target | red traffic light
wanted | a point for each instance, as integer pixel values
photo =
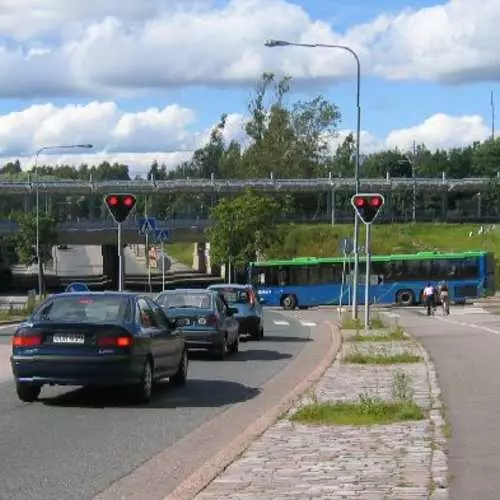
(120, 206)
(367, 206)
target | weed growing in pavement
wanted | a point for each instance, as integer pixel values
(367, 410)
(349, 323)
(380, 357)
(392, 336)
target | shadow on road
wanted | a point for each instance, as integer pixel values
(196, 394)
(259, 355)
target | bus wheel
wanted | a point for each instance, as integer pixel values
(405, 298)
(289, 302)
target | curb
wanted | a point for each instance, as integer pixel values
(8, 322)
(200, 479)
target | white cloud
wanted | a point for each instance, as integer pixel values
(169, 135)
(104, 47)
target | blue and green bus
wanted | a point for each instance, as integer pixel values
(394, 279)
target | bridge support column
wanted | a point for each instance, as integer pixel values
(444, 204)
(110, 264)
(92, 207)
(199, 259)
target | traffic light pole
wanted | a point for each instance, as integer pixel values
(120, 258)
(368, 253)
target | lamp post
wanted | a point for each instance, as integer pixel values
(37, 203)
(345, 48)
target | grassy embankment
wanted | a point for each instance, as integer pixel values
(322, 240)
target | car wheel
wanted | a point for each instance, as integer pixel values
(221, 350)
(235, 346)
(180, 377)
(259, 333)
(144, 389)
(28, 392)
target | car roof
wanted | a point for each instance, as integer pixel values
(97, 294)
(188, 290)
(227, 285)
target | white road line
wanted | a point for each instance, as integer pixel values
(281, 323)
(308, 323)
(472, 325)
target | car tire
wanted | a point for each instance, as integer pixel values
(28, 392)
(221, 350)
(235, 346)
(144, 389)
(180, 377)
(257, 335)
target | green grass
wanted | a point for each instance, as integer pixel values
(181, 252)
(323, 240)
(395, 335)
(365, 412)
(349, 323)
(361, 358)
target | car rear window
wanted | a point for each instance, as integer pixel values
(86, 309)
(235, 296)
(195, 300)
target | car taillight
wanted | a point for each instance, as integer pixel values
(26, 340)
(122, 341)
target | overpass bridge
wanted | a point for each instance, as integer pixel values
(214, 186)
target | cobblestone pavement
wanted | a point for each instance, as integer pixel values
(397, 461)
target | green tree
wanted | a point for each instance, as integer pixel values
(242, 227)
(25, 239)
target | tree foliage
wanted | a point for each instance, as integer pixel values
(242, 227)
(25, 239)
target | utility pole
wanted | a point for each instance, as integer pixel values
(492, 104)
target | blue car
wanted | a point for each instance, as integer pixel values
(205, 319)
(250, 313)
(97, 339)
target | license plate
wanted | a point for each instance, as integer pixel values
(68, 339)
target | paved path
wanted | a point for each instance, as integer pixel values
(73, 444)
(295, 462)
(466, 349)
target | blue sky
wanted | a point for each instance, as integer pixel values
(427, 72)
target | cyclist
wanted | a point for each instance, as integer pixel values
(430, 298)
(444, 297)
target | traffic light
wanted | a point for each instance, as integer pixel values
(367, 206)
(120, 206)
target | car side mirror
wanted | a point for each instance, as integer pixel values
(231, 311)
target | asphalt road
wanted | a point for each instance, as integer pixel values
(79, 260)
(73, 444)
(465, 348)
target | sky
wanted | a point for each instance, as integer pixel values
(145, 80)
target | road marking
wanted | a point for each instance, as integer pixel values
(308, 323)
(472, 325)
(281, 323)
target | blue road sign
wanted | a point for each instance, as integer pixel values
(77, 287)
(161, 235)
(146, 225)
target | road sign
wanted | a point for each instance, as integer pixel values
(367, 206)
(161, 235)
(146, 225)
(77, 287)
(120, 206)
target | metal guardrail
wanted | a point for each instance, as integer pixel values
(213, 185)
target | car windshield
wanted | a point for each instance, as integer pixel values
(235, 295)
(86, 308)
(174, 300)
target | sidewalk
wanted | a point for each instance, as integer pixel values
(398, 461)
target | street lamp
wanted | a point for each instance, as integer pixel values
(283, 43)
(37, 203)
